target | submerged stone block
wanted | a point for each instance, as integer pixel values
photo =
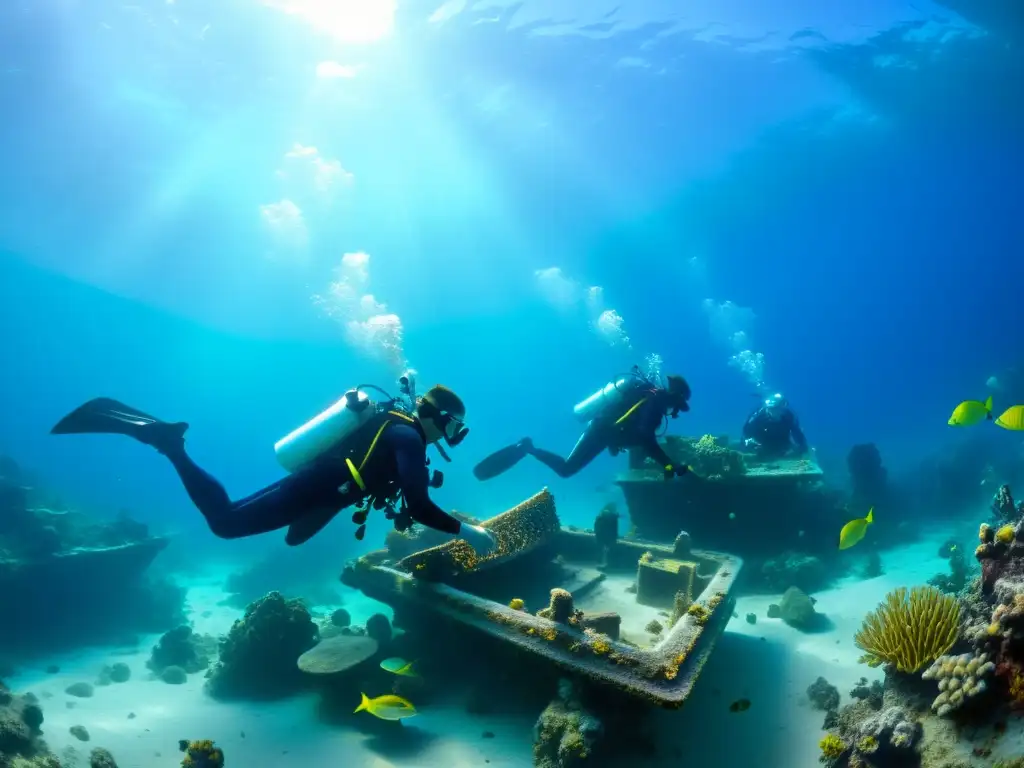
(658, 579)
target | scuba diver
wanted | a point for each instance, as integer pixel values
(624, 414)
(357, 452)
(772, 431)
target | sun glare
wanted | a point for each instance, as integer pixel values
(350, 21)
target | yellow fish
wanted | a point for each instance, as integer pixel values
(1012, 418)
(854, 530)
(387, 707)
(970, 412)
(397, 666)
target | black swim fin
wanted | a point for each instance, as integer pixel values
(503, 460)
(104, 416)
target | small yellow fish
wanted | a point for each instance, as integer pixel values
(854, 530)
(397, 666)
(387, 707)
(970, 412)
(1012, 418)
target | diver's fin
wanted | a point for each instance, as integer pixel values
(309, 525)
(104, 416)
(502, 460)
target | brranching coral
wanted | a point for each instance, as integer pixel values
(960, 678)
(909, 630)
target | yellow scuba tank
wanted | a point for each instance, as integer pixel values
(325, 430)
(609, 396)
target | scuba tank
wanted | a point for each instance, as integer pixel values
(325, 430)
(610, 395)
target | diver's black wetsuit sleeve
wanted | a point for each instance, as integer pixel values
(748, 425)
(797, 434)
(653, 449)
(414, 479)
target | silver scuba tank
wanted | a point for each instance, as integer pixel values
(609, 396)
(325, 430)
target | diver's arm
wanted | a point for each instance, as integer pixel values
(748, 426)
(653, 448)
(414, 480)
(798, 435)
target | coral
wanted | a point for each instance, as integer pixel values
(258, 656)
(909, 631)
(181, 647)
(888, 737)
(1005, 534)
(957, 578)
(713, 461)
(823, 695)
(80, 690)
(79, 732)
(565, 733)
(341, 618)
(872, 693)
(560, 608)
(201, 754)
(20, 721)
(793, 569)
(699, 613)
(832, 748)
(960, 678)
(517, 604)
(101, 758)
(796, 609)
(1003, 508)
(654, 627)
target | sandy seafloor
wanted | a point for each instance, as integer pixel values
(768, 662)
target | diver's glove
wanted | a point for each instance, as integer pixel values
(480, 539)
(671, 471)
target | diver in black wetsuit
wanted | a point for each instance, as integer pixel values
(383, 458)
(631, 422)
(773, 431)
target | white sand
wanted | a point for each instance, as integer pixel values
(768, 662)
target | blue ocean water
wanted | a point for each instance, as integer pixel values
(230, 213)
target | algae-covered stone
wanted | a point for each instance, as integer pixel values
(337, 654)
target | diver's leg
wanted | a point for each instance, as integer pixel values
(276, 506)
(592, 442)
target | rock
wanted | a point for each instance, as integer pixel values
(341, 618)
(751, 618)
(259, 655)
(181, 647)
(797, 609)
(337, 654)
(379, 628)
(81, 690)
(174, 675)
(120, 672)
(79, 732)
(101, 758)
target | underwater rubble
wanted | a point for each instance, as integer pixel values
(953, 693)
(588, 621)
(722, 505)
(71, 579)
